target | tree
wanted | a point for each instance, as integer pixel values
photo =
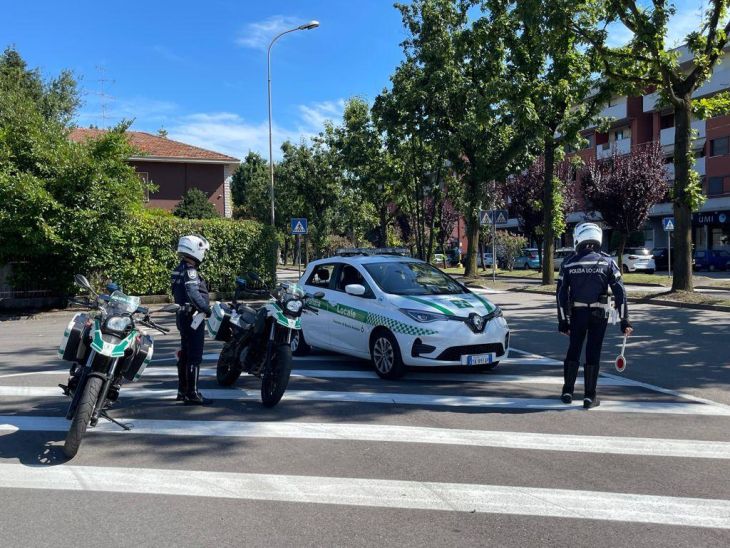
(250, 188)
(526, 192)
(365, 160)
(466, 92)
(643, 64)
(195, 205)
(545, 51)
(63, 205)
(624, 187)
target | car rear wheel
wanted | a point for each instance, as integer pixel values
(385, 356)
(626, 269)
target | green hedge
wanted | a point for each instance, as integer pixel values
(145, 254)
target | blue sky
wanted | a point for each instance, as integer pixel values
(198, 69)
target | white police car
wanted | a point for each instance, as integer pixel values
(398, 311)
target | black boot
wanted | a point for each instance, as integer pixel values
(182, 383)
(590, 374)
(570, 372)
(193, 395)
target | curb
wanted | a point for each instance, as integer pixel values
(644, 300)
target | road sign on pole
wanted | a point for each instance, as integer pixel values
(495, 216)
(484, 217)
(668, 224)
(299, 226)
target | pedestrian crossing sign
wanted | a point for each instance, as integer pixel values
(668, 223)
(299, 226)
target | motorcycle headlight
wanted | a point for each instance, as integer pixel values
(424, 316)
(294, 306)
(118, 323)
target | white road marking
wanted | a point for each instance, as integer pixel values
(646, 447)
(434, 400)
(450, 497)
(162, 371)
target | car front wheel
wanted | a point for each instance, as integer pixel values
(386, 357)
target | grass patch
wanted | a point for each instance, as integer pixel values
(687, 297)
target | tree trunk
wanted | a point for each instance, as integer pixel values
(472, 240)
(682, 211)
(383, 239)
(548, 208)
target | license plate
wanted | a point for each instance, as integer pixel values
(478, 359)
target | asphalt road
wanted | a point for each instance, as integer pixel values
(443, 457)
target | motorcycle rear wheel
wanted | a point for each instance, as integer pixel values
(228, 369)
(82, 416)
(275, 381)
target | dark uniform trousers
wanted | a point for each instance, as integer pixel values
(191, 346)
(589, 326)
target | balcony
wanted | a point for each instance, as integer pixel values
(699, 167)
(618, 111)
(718, 82)
(606, 150)
(666, 136)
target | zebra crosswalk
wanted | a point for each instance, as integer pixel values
(337, 406)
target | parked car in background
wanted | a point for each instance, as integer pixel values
(711, 259)
(562, 254)
(529, 259)
(638, 259)
(439, 259)
(661, 258)
(485, 260)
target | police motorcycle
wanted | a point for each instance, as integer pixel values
(105, 348)
(258, 342)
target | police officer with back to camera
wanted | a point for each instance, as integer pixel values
(584, 308)
(190, 291)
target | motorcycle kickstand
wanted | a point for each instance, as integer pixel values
(126, 427)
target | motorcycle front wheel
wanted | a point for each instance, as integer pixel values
(82, 416)
(228, 369)
(276, 379)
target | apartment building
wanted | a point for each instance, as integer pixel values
(638, 120)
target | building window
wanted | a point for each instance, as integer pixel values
(720, 146)
(145, 187)
(666, 121)
(715, 186)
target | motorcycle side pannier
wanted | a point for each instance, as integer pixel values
(219, 323)
(73, 346)
(142, 358)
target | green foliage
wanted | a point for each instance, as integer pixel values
(195, 205)
(709, 107)
(509, 246)
(250, 188)
(145, 252)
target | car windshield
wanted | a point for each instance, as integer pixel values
(411, 278)
(119, 303)
(531, 253)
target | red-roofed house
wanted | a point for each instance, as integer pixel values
(176, 167)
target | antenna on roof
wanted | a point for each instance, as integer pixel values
(104, 98)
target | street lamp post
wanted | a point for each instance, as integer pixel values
(306, 26)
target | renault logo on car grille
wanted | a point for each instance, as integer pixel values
(476, 322)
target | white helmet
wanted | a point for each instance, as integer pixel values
(587, 233)
(193, 246)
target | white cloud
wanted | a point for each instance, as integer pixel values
(258, 35)
(316, 114)
(231, 134)
(688, 18)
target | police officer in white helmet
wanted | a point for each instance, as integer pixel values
(190, 291)
(584, 308)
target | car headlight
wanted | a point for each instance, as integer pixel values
(424, 316)
(496, 313)
(294, 306)
(118, 323)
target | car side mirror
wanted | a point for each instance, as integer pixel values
(319, 295)
(355, 289)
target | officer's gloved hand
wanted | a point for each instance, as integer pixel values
(563, 326)
(208, 312)
(625, 325)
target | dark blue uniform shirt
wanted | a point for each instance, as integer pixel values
(188, 286)
(584, 277)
